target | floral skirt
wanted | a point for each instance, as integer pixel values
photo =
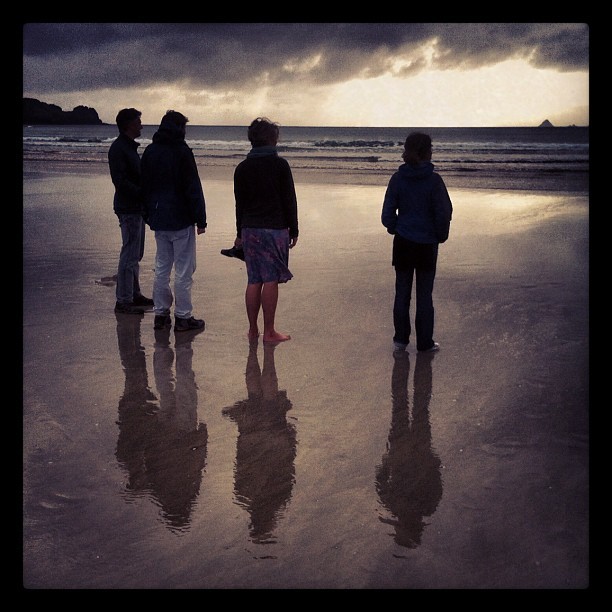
(266, 254)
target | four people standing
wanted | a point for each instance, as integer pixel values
(164, 189)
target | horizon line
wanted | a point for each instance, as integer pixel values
(374, 127)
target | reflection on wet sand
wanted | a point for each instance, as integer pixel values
(264, 471)
(408, 481)
(160, 444)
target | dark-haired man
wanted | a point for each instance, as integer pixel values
(124, 165)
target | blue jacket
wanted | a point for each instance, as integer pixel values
(171, 185)
(124, 166)
(417, 205)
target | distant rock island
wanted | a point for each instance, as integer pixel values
(546, 124)
(36, 112)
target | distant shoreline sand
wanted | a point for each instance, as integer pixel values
(553, 183)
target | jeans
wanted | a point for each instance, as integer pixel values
(424, 318)
(132, 249)
(178, 249)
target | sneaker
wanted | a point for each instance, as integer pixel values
(128, 308)
(187, 324)
(233, 252)
(141, 300)
(399, 346)
(162, 322)
(433, 349)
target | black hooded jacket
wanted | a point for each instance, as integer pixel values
(171, 186)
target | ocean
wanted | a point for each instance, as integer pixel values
(553, 158)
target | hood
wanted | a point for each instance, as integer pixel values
(419, 171)
(262, 151)
(169, 133)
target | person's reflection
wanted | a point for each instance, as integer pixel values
(265, 451)
(161, 444)
(408, 481)
(137, 405)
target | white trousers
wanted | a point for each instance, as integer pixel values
(174, 249)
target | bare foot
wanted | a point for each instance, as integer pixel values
(276, 337)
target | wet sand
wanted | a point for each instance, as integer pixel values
(155, 461)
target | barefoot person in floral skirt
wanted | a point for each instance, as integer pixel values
(266, 225)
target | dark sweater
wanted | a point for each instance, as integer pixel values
(124, 166)
(265, 193)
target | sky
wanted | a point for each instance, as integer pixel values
(316, 74)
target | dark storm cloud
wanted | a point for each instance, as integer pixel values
(66, 57)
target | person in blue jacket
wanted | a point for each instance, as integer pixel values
(174, 207)
(417, 211)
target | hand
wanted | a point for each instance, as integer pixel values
(201, 230)
(238, 243)
(293, 242)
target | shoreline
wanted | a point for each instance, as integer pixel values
(570, 184)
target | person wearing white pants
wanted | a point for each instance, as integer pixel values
(176, 211)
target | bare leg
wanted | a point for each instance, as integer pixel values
(252, 298)
(269, 300)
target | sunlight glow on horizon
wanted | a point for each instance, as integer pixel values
(508, 94)
(475, 98)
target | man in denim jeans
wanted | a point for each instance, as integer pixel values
(174, 205)
(124, 165)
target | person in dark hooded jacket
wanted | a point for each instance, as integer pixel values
(174, 207)
(417, 211)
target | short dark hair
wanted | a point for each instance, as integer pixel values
(126, 116)
(417, 148)
(176, 118)
(263, 132)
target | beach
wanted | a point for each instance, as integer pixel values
(328, 461)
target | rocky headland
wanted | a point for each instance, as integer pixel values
(36, 112)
